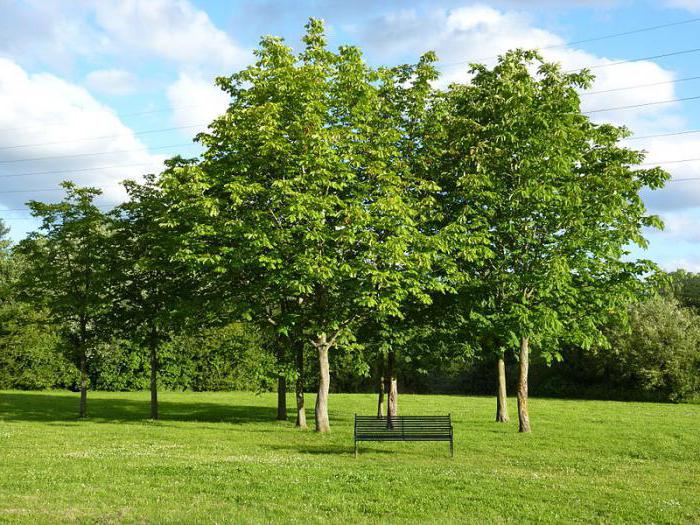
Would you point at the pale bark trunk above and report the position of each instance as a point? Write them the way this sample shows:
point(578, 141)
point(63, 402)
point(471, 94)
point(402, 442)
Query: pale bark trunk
point(83, 385)
point(380, 398)
point(501, 398)
point(392, 405)
point(523, 416)
point(321, 413)
point(301, 409)
point(154, 380)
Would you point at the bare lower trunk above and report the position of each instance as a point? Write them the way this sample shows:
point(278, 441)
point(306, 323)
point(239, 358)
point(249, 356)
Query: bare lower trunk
point(154, 380)
point(501, 398)
point(281, 384)
point(301, 409)
point(392, 391)
point(321, 413)
point(83, 385)
point(523, 416)
point(281, 398)
point(380, 398)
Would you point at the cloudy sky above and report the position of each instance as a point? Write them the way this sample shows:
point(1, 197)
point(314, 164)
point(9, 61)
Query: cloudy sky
point(96, 91)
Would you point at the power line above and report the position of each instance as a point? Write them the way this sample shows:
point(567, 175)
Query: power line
point(679, 161)
point(631, 106)
point(672, 134)
point(145, 132)
point(638, 86)
point(592, 39)
point(652, 57)
point(28, 174)
point(118, 115)
point(52, 157)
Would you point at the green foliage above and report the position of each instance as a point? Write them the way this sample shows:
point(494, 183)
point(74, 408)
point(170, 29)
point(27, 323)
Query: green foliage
point(685, 287)
point(307, 194)
point(661, 353)
point(560, 196)
point(65, 267)
point(226, 358)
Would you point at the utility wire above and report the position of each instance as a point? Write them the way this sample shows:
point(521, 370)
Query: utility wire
point(118, 115)
point(639, 86)
point(631, 106)
point(73, 155)
point(592, 39)
point(639, 59)
point(672, 134)
point(50, 172)
point(83, 139)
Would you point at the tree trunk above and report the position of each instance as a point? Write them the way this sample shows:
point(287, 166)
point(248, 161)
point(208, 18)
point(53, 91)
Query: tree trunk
point(83, 385)
point(523, 416)
point(321, 415)
point(154, 379)
point(281, 384)
point(392, 405)
point(501, 398)
point(380, 398)
point(301, 409)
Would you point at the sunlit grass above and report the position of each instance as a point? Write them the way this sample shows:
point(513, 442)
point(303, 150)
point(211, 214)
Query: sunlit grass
point(221, 457)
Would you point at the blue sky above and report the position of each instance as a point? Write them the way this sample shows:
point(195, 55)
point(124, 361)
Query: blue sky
point(101, 90)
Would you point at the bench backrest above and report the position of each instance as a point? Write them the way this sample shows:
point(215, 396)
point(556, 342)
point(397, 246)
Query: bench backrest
point(407, 426)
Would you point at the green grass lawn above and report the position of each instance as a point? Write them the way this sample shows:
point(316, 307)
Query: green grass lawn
point(220, 457)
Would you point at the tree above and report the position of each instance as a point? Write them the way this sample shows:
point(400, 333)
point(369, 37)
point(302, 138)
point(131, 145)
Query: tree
point(305, 201)
point(685, 287)
point(561, 198)
point(153, 295)
point(66, 270)
point(660, 352)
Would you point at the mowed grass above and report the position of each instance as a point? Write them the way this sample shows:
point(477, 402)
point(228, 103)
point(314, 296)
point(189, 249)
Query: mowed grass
point(221, 457)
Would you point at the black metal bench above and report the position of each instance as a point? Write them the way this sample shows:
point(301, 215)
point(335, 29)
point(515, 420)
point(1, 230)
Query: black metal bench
point(404, 428)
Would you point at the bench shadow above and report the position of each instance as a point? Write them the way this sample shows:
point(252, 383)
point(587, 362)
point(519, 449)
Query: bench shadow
point(330, 450)
point(57, 409)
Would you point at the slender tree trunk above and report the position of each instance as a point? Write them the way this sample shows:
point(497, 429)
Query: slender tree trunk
point(523, 416)
point(392, 405)
point(380, 398)
point(501, 398)
point(321, 414)
point(301, 409)
point(83, 385)
point(154, 379)
point(281, 384)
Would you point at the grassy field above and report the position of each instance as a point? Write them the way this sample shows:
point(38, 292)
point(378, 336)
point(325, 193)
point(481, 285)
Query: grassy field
point(220, 457)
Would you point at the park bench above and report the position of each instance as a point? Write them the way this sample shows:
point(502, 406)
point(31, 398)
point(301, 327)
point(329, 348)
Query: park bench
point(404, 428)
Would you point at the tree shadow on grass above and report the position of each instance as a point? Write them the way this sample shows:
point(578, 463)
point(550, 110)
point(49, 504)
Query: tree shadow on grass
point(21, 406)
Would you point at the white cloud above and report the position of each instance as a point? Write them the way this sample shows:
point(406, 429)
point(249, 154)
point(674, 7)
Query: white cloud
point(42, 116)
point(111, 81)
point(690, 5)
point(682, 264)
point(683, 226)
point(172, 29)
point(195, 100)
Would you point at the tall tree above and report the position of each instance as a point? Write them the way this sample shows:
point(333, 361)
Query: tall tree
point(305, 196)
point(153, 295)
point(65, 271)
point(561, 197)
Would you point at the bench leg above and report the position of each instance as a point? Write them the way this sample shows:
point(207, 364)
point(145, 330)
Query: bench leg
point(452, 449)
point(355, 449)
